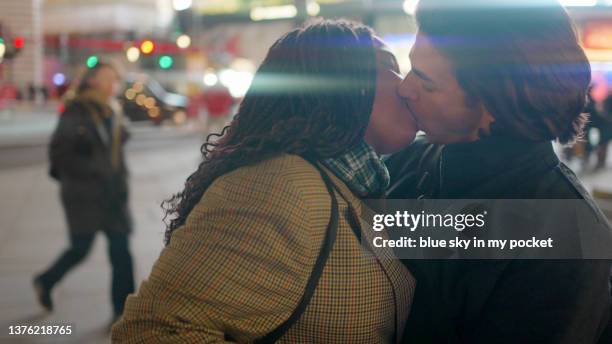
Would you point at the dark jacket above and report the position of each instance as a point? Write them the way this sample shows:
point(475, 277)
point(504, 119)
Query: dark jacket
point(499, 301)
point(94, 193)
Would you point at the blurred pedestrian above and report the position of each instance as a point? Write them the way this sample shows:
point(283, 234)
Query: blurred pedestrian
point(86, 155)
point(602, 120)
point(31, 92)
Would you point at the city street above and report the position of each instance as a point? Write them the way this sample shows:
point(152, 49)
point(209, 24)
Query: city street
point(33, 233)
point(327, 75)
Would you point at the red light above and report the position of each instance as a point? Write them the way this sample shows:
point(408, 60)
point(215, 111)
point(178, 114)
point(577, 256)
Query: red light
point(18, 42)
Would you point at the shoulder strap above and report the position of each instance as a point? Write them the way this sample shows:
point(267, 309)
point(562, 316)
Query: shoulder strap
point(317, 270)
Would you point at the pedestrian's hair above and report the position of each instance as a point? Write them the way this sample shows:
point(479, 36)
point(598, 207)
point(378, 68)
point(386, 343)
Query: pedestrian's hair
point(312, 96)
point(522, 62)
point(84, 83)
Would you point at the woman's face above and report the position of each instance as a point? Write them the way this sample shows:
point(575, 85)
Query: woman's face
point(106, 81)
point(391, 125)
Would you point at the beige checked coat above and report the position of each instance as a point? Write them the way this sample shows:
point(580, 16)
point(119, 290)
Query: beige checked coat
point(239, 266)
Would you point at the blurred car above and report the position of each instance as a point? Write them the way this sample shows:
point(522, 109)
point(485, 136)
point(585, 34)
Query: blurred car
point(144, 99)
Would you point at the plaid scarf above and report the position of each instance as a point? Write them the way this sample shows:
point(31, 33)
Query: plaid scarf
point(361, 169)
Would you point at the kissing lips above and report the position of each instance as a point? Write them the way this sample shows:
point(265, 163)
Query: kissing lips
point(414, 117)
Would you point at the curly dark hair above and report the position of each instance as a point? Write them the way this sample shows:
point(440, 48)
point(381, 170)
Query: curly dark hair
point(312, 96)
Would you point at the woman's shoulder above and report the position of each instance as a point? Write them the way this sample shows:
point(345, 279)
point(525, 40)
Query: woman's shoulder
point(285, 171)
point(285, 188)
point(285, 182)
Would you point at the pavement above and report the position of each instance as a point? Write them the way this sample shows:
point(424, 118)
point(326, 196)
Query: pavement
point(26, 126)
point(33, 233)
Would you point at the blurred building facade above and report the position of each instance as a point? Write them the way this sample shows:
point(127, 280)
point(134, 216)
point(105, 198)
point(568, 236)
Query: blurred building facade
point(22, 20)
point(196, 43)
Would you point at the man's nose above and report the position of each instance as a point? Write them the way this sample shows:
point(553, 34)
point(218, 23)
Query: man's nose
point(407, 89)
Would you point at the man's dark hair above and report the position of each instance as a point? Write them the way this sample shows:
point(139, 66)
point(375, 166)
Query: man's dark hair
point(522, 62)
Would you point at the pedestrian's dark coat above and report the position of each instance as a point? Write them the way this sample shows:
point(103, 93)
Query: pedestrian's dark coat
point(499, 301)
point(94, 189)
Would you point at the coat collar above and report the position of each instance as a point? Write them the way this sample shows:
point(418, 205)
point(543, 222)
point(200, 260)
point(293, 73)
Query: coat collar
point(470, 165)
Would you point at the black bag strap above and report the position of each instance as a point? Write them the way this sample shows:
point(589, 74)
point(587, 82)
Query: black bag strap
point(317, 270)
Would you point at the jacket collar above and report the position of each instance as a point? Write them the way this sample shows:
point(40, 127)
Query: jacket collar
point(467, 166)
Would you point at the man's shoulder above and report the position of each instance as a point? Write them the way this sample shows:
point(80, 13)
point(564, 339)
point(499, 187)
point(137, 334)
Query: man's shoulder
point(407, 156)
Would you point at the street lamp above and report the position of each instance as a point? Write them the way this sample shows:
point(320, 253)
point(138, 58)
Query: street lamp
point(181, 5)
point(410, 6)
point(132, 54)
point(183, 41)
point(313, 8)
point(210, 78)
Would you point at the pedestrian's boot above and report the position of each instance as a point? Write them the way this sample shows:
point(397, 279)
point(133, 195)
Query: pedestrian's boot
point(43, 294)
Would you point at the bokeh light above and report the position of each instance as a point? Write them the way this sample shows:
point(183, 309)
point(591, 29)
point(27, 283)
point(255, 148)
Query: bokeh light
point(132, 54)
point(147, 46)
point(183, 41)
point(165, 62)
point(59, 79)
point(181, 5)
point(19, 42)
point(210, 79)
point(92, 61)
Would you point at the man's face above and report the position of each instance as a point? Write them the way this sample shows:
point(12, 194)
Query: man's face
point(435, 98)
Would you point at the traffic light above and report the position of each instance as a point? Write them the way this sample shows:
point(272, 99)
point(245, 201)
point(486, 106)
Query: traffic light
point(165, 62)
point(92, 61)
point(2, 49)
point(9, 48)
point(18, 42)
point(147, 46)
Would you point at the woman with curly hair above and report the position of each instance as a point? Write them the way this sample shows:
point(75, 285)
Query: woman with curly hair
point(264, 240)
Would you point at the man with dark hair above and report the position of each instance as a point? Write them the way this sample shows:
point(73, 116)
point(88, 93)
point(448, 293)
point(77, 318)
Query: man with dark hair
point(492, 85)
